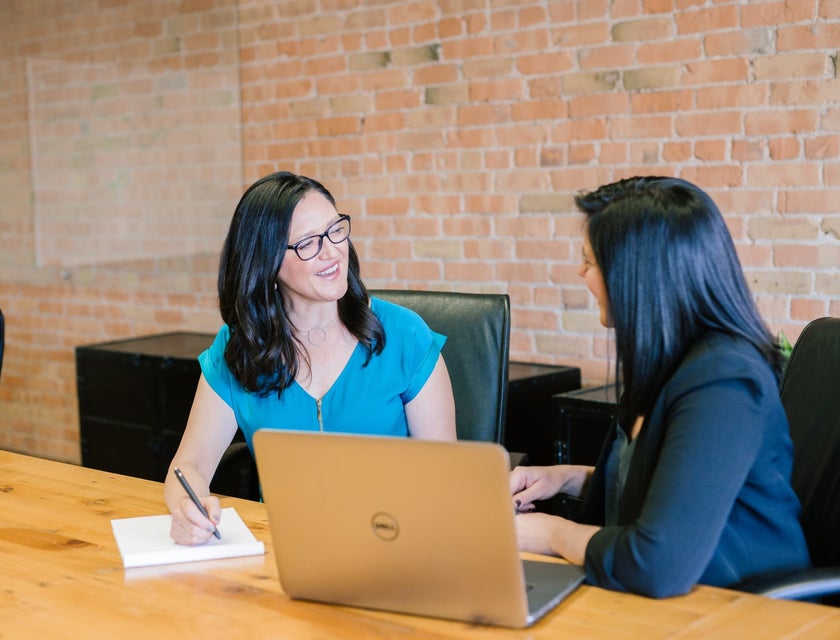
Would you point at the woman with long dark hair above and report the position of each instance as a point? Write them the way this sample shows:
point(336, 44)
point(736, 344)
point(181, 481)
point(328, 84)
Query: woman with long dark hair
point(303, 345)
point(693, 482)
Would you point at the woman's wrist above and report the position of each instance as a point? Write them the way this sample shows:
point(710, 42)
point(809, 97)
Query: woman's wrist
point(573, 479)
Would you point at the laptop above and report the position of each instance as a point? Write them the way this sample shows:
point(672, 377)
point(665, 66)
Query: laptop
point(397, 524)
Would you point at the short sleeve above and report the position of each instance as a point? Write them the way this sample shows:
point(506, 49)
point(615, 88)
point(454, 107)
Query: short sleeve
point(411, 349)
point(215, 369)
point(425, 367)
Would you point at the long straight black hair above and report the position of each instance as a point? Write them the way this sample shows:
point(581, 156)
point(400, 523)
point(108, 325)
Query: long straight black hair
point(671, 273)
point(261, 352)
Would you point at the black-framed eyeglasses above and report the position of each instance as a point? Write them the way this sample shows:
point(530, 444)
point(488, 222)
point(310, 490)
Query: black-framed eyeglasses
point(310, 246)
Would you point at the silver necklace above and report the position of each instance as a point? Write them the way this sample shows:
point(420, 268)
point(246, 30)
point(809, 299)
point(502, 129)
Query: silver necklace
point(317, 336)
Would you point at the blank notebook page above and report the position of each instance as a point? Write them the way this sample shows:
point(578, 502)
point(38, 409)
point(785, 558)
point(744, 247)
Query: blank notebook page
point(145, 541)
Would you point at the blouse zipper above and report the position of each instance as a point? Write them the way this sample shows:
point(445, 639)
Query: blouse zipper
point(320, 415)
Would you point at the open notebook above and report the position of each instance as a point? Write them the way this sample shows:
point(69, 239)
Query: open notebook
point(403, 525)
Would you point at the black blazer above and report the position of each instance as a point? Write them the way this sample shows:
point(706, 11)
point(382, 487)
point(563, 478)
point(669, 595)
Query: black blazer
point(707, 496)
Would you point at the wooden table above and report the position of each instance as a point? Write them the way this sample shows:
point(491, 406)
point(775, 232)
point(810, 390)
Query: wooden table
point(61, 577)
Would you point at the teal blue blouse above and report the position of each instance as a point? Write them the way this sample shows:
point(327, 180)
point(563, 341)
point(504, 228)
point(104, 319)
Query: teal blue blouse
point(364, 399)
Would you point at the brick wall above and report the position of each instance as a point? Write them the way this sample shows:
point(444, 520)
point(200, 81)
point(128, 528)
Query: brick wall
point(455, 132)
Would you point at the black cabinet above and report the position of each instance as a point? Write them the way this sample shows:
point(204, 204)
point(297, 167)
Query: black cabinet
point(582, 418)
point(134, 400)
point(531, 418)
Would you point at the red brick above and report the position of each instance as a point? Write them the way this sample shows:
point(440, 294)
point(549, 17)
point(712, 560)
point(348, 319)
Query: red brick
point(812, 36)
point(738, 43)
point(714, 176)
point(501, 90)
point(787, 228)
point(423, 271)
point(822, 147)
point(710, 150)
point(699, 124)
point(774, 12)
point(397, 99)
point(642, 126)
point(545, 63)
point(716, 71)
point(609, 57)
point(644, 153)
point(829, 9)
point(783, 175)
point(478, 272)
point(546, 87)
point(785, 148)
point(539, 110)
point(482, 203)
point(436, 74)
point(411, 12)
point(574, 83)
point(792, 65)
point(522, 41)
point(832, 175)
point(613, 153)
point(472, 115)
point(681, 50)
point(807, 256)
point(467, 48)
point(661, 101)
point(748, 150)
point(582, 34)
point(582, 153)
point(648, 28)
point(707, 19)
point(819, 201)
point(727, 97)
point(807, 309)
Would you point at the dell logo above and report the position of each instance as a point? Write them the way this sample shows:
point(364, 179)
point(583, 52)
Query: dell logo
point(384, 526)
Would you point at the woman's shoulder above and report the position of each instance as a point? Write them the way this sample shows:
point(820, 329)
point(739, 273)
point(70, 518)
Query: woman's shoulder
point(403, 324)
point(221, 339)
point(717, 344)
point(717, 355)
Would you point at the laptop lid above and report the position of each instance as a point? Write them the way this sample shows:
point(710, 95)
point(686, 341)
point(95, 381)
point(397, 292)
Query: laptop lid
point(413, 526)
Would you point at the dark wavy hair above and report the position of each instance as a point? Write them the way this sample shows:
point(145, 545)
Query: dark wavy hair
point(261, 352)
point(671, 274)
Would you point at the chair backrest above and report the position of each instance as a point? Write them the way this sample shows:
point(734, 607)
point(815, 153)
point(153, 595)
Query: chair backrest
point(477, 328)
point(810, 392)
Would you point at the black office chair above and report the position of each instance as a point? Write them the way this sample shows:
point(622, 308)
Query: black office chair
point(810, 391)
point(476, 353)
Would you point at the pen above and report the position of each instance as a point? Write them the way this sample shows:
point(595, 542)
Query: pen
point(195, 499)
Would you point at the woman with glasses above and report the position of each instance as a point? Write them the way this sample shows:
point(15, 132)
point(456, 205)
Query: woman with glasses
point(303, 345)
point(693, 482)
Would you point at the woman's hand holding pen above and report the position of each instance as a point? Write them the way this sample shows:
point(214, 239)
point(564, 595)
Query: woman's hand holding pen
point(189, 526)
point(194, 519)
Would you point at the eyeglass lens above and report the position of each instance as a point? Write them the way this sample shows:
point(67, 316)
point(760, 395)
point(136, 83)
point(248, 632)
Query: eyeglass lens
point(310, 247)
